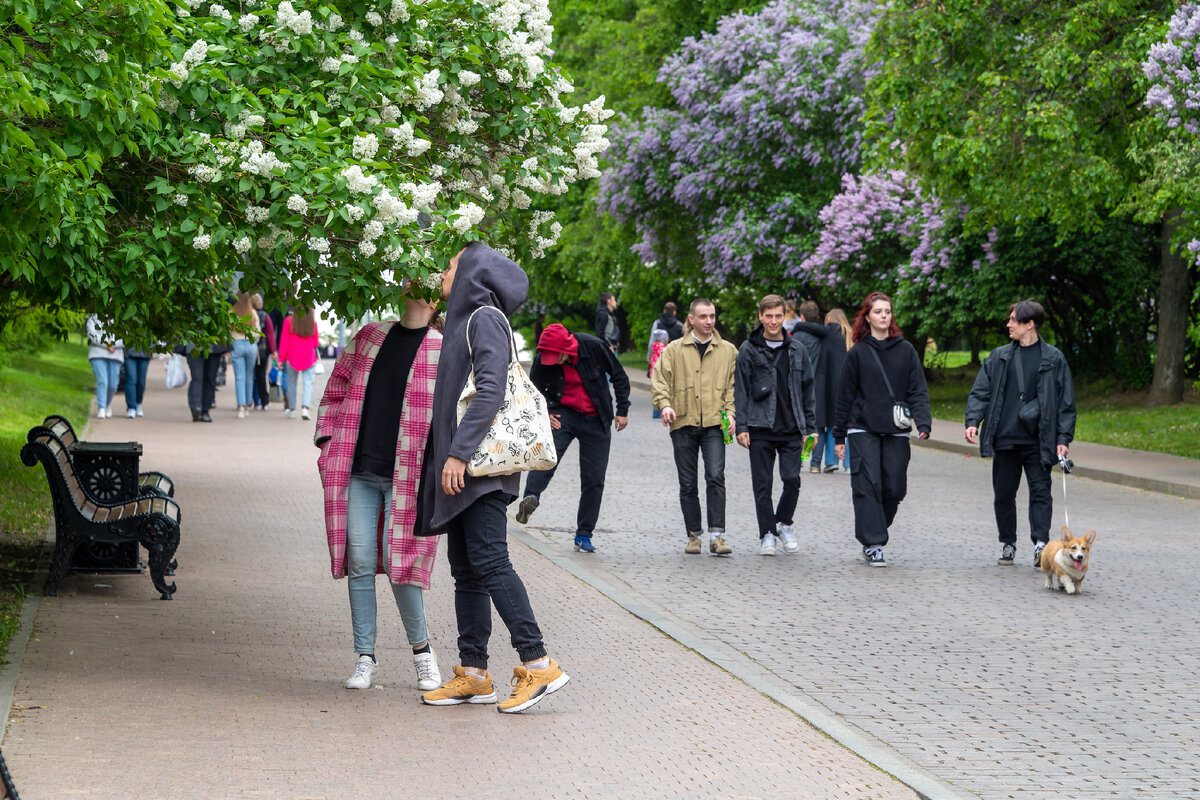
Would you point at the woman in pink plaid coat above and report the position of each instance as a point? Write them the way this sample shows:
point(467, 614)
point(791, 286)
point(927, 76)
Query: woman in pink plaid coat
point(372, 428)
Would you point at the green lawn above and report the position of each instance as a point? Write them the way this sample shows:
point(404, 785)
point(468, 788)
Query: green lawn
point(57, 381)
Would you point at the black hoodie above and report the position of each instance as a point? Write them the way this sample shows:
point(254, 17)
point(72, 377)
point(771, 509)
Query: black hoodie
point(484, 278)
point(863, 402)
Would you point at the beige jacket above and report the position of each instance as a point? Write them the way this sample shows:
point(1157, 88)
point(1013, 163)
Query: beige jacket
point(698, 390)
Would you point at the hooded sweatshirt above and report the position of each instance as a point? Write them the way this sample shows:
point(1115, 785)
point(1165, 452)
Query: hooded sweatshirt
point(863, 402)
point(484, 278)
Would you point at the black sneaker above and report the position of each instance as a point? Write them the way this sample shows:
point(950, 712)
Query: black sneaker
point(1037, 555)
point(527, 506)
point(1007, 555)
point(874, 556)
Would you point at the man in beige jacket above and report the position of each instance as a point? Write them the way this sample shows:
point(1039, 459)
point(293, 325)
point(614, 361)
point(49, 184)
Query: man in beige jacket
point(693, 385)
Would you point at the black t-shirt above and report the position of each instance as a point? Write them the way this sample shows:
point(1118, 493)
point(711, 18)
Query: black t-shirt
point(379, 428)
point(1010, 433)
point(785, 420)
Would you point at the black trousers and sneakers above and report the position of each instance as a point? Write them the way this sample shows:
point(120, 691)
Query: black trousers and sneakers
point(202, 388)
point(687, 444)
point(594, 439)
point(775, 520)
point(878, 482)
point(1007, 466)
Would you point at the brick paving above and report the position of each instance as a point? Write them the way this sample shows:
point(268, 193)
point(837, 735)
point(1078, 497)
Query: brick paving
point(233, 689)
point(971, 670)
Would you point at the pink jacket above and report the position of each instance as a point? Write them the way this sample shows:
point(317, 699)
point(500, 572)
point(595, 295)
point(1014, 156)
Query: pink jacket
point(404, 558)
point(300, 352)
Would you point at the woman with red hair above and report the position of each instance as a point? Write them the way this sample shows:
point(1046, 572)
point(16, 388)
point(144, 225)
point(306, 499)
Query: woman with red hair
point(882, 395)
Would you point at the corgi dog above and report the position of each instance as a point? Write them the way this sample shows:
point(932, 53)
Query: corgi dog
point(1067, 559)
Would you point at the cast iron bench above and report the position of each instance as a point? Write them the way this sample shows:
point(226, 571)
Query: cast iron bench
point(82, 514)
point(108, 484)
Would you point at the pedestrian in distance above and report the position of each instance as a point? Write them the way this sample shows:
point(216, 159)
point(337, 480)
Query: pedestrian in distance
point(1021, 411)
point(692, 387)
point(372, 429)
point(881, 396)
point(811, 334)
point(470, 509)
point(774, 399)
point(298, 354)
point(574, 371)
point(669, 324)
point(245, 351)
point(606, 326)
point(106, 354)
point(266, 350)
point(137, 367)
point(835, 339)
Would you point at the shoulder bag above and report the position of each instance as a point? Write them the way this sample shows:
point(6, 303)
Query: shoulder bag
point(520, 438)
point(901, 413)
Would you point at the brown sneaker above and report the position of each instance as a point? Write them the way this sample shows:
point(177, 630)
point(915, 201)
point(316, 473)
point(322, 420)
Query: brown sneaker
point(531, 685)
point(693, 545)
point(462, 688)
point(718, 547)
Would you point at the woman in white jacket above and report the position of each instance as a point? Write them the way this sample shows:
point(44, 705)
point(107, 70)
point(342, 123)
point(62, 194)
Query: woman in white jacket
point(106, 355)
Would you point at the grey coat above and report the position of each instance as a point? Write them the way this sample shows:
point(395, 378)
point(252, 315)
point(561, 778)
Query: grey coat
point(484, 278)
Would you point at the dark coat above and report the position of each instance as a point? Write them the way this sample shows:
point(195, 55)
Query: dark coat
point(484, 278)
point(606, 326)
point(829, 367)
point(755, 367)
point(1056, 400)
point(863, 401)
point(597, 366)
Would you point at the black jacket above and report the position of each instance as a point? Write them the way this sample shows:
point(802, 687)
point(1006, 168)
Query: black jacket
point(597, 367)
point(863, 401)
point(607, 329)
point(1056, 400)
point(829, 368)
point(754, 389)
point(671, 324)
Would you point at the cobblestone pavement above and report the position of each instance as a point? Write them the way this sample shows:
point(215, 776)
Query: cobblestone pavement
point(971, 670)
point(233, 689)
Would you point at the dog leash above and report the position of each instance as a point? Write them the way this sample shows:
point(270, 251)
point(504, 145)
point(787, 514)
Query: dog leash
point(1067, 466)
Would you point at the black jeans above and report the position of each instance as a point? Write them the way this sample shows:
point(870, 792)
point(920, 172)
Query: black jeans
point(202, 388)
point(1006, 479)
point(594, 441)
point(687, 442)
point(477, 547)
point(878, 482)
point(763, 447)
point(260, 379)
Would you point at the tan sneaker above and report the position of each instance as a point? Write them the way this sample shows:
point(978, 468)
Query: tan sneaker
point(693, 545)
point(462, 688)
point(718, 547)
point(531, 685)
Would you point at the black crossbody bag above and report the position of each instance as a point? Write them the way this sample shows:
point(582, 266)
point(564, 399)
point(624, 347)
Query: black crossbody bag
point(901, 413)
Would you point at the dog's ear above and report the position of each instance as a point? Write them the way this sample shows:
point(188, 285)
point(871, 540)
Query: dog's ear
point(1090, 537)
point(1066, 534)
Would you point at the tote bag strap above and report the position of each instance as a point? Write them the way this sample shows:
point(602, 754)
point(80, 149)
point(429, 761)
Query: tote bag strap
point(512, 340)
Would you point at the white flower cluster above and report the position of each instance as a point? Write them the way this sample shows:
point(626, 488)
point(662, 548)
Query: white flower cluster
point(392, 210)
point(99, 56)
point(405, 138)
point(202, 172)
point(427, 93)
point(539, 219)
point(318, 244)
point(242, 245)
point(357, 182)
point(297, 204)
point(365, 146)
point(354, 212)
point(300, 24)
point(259, 161)
point(247, 22)
point(256, 214)
point(202, 241)
point(219, 11)
point(180, 199)
point(466, 217)
point(398, 12)
point(467, 78)
point(180, 70)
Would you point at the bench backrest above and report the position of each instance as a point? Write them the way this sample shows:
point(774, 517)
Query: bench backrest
point(61, 428)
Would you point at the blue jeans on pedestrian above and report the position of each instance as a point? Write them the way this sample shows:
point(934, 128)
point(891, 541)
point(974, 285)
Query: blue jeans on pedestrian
point(368, 497)
point(295, 378)
point(825, 446)
point(477, 548)
point(136, 368)
point(107, 373)
point(245, 353)
point(687, 443)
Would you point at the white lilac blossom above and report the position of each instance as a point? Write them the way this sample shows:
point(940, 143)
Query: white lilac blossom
point(358, 182)
point(365, 146)
point(466, 217)
point(242, 245)
point(318, 244)
point(297, 204)
point(202, 241)
point(180, 199)
point(256, 214)
point(366, 248)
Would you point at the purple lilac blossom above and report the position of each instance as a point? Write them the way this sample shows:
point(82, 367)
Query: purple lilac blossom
point(1172, 68)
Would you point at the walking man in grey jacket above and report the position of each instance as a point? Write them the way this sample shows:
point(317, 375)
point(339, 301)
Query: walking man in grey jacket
point(471, 510)
point(776, 405)
point(1021, 410)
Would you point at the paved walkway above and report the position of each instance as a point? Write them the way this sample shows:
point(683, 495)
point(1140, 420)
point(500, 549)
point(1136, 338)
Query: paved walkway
point(233, 689)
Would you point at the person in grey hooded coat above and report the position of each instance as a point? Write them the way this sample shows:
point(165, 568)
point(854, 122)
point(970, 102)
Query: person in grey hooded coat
point(470, 510)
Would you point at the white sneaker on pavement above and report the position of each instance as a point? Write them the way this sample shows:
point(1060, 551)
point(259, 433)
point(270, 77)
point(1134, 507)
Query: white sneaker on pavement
point(131, 413)
point(766, 546)
point(428, 676)
point(365, 671)
point(788, 537)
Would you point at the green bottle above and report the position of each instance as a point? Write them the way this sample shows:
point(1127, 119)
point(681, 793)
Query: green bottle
point(725, 434)
point(809, 444)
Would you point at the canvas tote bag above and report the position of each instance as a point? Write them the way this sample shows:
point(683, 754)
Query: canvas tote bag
point(520, 438)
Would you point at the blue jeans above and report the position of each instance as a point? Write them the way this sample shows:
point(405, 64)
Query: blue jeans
point(107, 372)
point(245, 353)
point(296, 377)
point(369, 495)
point(825, 445)
point(135, 380)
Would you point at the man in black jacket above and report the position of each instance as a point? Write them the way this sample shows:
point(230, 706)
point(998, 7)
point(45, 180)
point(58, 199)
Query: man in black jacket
point(573, 371)
point(1024, 401)
point(775, 408)
point(606, 326)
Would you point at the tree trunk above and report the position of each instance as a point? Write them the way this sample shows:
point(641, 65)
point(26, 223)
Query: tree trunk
point(1173, 301)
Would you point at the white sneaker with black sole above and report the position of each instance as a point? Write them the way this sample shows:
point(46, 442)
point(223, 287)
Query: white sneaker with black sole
point(428, 675)
point(1007, 554)
point(874, 556)
point(365, 671)
point(1037, 555)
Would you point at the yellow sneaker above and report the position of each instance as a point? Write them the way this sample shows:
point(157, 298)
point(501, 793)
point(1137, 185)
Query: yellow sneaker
point(693, 545)
point(531, 685)
point(718, 547)
point(462, 688)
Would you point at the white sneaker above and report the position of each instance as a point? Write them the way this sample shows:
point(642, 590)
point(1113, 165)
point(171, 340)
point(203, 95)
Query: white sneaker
point(242, 412)
point(365, 671)
point(304, 415)
point(131, 413)
point(428, 677)
point(788, 537)
point(766, 546)
point(287, 412)
point(140, 413)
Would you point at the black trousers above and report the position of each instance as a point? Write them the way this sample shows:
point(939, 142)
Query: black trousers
point(1006, 479)
point(202, 388)
point(688, 442)
point(594, 443)
point(763, 448)
point(477, 548)
point(878, 482)
point(260, 379)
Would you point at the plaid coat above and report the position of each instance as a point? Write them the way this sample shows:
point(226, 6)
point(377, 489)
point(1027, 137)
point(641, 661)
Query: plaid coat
point(404, 558)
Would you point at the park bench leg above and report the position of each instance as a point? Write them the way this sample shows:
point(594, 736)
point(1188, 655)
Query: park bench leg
point(160, 537)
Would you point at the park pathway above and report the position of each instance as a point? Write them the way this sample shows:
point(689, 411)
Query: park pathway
point(233, 689)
